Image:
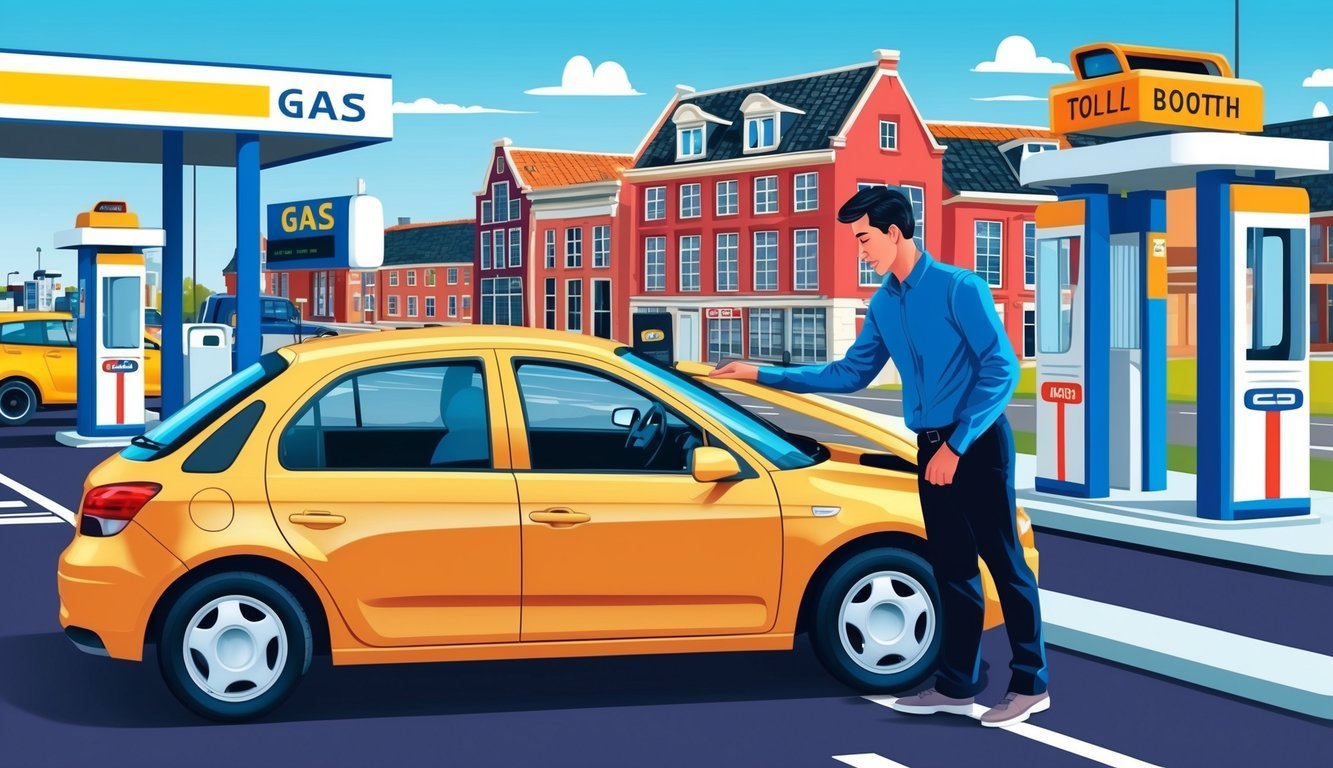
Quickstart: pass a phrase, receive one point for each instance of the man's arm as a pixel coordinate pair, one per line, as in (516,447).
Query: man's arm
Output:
(997,378)
(852,373)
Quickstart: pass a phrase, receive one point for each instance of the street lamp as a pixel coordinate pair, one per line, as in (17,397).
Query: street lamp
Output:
(39,258)
(15,272)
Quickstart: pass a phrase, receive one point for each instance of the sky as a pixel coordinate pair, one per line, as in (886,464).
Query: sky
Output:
(490,55)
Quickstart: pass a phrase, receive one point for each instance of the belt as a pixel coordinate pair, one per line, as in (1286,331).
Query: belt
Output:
(937,435)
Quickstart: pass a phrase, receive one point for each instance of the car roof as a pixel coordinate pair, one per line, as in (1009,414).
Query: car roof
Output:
(410,340)
(9,317)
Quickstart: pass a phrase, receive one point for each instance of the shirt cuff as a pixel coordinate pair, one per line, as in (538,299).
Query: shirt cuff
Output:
(770,376)
(960,441)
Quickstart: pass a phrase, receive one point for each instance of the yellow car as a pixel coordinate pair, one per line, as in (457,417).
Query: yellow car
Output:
(490,492)
(38,364)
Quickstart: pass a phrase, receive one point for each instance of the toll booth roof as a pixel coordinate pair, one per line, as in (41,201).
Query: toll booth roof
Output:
(78,107)
(1172,161)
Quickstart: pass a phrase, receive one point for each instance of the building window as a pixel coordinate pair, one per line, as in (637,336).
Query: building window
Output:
(499,164)
(866,276)
(550,249)
(430,278)
(393,306)
(368,279)
(467,306)
(724,339)
(1030,254)
(322,294)
(760,133)
(888,135)
(411,306)
(690,195)
(499,236)
(574,305)
(501,301)
(689,263)
(368,303)
(654,263)
(451,305)
(728,199)
(917,197)
(986,238)
(766,194)
(765,261)
(393,279)
(450,275)
(654,206)
(809,336)
(430,306)
(1029,331)
(515,248)
(601,246)
(806,260)
(500,196)
(768,335)
(485,250)
(515,208)
(574,247)
(807,191)
(549,303)
(690,142)
(728,261)
(411,277)
(601,308)
(487,216)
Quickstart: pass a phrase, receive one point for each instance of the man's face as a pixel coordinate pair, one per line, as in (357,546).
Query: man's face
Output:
(876,248)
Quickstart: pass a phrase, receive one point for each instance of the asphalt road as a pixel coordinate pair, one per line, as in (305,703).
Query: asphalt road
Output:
(60,707)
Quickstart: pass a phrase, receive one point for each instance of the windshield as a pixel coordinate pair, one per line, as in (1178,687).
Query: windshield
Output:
(786,451)
(152,317)
(204,409)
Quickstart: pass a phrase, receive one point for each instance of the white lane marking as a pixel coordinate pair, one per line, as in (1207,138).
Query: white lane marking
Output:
(1021,405)
(1187,413)
(12,515)
(868,760)
(56,509)
(30,520)
(1049,738)
(863,397)
(13,504)
(1321,449)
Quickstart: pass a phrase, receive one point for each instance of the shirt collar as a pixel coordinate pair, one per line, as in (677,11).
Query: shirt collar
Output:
(924,263)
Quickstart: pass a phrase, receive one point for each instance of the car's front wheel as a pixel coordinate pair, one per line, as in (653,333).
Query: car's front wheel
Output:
(877,620)
(18,402)
(234,646)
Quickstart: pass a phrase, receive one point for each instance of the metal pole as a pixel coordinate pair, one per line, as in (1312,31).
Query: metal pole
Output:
(39,258)
(248,267)
(1236,27)
(173,267)
(194,241)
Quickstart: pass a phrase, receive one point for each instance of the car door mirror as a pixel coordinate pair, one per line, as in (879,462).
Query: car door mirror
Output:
(709,465)
(624,417)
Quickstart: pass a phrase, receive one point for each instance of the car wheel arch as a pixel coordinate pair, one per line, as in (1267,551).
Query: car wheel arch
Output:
(284,574)
(25,380)
(878,540)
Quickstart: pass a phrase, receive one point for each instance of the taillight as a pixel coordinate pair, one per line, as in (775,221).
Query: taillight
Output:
(107,509)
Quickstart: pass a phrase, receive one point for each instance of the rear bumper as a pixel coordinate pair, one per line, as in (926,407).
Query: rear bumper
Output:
(86,640)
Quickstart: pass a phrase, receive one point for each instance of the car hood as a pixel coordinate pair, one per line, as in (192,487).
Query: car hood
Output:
(888,432)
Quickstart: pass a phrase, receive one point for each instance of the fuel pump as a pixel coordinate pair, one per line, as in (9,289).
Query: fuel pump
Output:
(109,323)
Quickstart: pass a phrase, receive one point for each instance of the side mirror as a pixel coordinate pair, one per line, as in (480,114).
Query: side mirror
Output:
(625,417)
(709,465)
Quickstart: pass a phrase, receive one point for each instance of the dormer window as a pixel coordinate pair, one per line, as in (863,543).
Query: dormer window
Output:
(765,120)
(1019,150)
(694,127)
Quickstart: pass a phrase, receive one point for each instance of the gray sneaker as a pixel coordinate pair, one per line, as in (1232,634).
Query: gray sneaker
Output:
(1014,708)
(931,701)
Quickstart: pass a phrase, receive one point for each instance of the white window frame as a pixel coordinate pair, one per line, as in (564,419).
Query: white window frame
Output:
(1029,308)
(601,246)
(487,212)
(891,145)
(467,306)
(697,197)
(393,279)
(550,249)
(498,256)
(648,266)
(793,320)
(496,209)
(413,304)
(550,304)
(1030,258)
(759,146)
(411,278)
(797,256)
(486,250)
(499,164)
(430,306)
(573,255)
(734,259)
(810,189)
(515,247)
(773,191)
(609,311)
(998,240)
(694,243)
(696,146)
(654,197)
(920,234)
(393,306)
(767,260)
(451,275)
(728,191)
(569,299)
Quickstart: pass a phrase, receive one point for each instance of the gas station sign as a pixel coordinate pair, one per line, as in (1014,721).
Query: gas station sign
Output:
(326,233)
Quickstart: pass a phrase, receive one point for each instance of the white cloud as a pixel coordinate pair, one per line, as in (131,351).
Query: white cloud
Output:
(1015,97)
(425,106)
(1320,78)
(579,79)
(1016,53)
(1320,109)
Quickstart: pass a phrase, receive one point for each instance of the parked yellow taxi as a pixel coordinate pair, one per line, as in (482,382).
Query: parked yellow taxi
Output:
(38,364)
(495,493)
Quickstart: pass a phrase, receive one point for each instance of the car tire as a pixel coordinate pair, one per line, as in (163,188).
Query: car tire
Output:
(18,402)
(877,621)
(234,646)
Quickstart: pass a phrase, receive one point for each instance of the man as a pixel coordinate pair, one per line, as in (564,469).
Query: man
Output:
(938,323)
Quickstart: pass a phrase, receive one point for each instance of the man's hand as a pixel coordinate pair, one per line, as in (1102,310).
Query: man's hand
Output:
(736,370)
(942,466)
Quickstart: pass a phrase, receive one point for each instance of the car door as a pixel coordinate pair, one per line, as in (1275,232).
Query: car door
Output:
(392,482)
(152,367)
(61,358)
(24,346)
(617,544)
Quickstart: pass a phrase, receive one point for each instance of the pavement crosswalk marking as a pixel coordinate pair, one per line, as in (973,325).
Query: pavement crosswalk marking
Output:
(40,519)
(13,504)
(868,760)
(51,506)
(1049,738)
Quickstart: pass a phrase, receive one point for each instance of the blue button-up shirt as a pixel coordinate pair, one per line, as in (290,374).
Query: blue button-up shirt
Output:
(956,369)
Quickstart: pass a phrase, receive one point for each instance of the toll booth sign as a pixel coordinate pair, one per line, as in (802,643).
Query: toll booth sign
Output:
(1145,101)
(653,337)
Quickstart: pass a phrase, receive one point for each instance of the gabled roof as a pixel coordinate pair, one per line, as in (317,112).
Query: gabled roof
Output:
(1319,187)
(436,242)
(974,162)
(827,98)
(546,168)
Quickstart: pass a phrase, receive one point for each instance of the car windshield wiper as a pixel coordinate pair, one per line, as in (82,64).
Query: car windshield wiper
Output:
(142,441)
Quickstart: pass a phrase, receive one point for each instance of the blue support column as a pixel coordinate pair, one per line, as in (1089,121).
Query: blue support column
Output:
(1097,340)
(85,321)
(1216,345)
(248,341)
(173,269)
(1148,211)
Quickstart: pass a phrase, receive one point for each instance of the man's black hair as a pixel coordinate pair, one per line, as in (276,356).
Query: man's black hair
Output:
(884,205)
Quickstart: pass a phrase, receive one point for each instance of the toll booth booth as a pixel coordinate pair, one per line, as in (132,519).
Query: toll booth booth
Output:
(1102,284)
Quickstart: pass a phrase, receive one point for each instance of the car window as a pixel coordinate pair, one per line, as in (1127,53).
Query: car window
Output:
(152,316)
(569,413)
(429,416)
(56,335)
(72,330)
(274,310)
(30,332)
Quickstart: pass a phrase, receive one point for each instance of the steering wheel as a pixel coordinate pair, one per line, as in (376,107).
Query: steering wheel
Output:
(648,434)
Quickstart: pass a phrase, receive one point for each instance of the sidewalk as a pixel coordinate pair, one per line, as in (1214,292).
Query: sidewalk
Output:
(1165,520)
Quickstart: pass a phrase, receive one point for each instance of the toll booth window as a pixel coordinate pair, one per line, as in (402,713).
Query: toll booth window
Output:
(123,313)
(1273,284)
(431,416)
(1098,64)
(1057,281)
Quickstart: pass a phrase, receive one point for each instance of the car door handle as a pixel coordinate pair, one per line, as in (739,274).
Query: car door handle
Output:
(317,519)
(54,354)
(559,517)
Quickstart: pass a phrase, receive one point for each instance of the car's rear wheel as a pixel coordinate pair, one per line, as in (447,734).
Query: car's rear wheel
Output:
(234,646)
(877,619)
(18,402)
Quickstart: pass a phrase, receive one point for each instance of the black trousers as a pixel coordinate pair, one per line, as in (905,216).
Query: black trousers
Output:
(975,516)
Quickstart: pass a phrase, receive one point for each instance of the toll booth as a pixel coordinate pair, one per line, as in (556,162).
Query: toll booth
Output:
(109,323)
(1176,119)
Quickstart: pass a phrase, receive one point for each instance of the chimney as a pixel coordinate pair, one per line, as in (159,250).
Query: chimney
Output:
(404,220)
(888,59)
(683,90)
